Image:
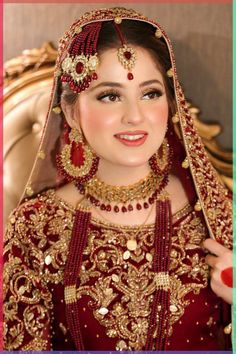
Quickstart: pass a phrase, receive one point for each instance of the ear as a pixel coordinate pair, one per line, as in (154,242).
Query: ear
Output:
(71,114)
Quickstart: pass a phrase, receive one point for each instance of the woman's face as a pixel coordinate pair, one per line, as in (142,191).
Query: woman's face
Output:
(124,121)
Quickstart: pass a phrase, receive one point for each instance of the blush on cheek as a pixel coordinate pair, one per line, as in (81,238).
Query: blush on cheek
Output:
(161,117)
(97,121)
(91,119)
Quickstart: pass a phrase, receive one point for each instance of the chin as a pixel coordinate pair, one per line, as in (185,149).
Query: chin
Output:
(126,160)
(134,162)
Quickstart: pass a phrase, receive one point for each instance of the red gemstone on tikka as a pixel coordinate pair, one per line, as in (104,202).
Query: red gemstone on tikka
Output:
(127,55)
(145,205)
(130,76)
(139,206)
(108,207)
(79,67)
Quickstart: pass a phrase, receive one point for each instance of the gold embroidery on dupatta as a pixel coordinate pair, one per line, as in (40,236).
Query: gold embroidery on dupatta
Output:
(213,196)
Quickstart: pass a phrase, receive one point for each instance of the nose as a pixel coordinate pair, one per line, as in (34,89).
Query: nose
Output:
(133,114)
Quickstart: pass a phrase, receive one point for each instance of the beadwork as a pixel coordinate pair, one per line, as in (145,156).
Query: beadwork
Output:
(79,65)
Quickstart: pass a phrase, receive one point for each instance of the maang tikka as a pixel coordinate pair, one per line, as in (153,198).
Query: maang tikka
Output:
(126,55)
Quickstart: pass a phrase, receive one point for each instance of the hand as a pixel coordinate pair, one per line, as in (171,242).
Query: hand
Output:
(219,259)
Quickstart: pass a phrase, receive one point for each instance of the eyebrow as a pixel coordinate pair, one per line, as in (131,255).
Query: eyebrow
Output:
(150,82)
(117,84)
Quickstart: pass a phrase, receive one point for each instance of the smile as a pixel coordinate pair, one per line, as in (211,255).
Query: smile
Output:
(132,139)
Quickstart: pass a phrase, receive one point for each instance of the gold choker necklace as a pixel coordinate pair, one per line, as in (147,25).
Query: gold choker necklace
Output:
(122,194)
(144,192)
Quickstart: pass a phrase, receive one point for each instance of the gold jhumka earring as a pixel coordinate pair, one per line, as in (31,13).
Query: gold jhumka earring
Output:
(77,162)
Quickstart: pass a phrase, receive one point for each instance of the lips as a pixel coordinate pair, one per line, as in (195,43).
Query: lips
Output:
(135,138)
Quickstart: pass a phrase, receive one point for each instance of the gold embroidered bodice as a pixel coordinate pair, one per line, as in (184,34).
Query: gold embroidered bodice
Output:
(118,285)
(121,283)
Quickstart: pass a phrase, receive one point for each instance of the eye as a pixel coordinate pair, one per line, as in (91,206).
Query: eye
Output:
(109,97)
(152,94)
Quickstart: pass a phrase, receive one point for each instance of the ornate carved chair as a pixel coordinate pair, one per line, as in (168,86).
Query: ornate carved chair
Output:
(27,82)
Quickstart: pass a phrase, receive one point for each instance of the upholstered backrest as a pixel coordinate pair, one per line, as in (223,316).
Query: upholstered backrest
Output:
(26,96)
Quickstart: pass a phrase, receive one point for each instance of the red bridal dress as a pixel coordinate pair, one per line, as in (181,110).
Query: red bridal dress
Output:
(115,287)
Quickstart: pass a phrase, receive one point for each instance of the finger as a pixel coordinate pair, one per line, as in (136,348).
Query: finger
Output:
(214,247)
(211,260)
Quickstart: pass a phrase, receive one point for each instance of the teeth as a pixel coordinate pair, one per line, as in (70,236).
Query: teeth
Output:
(131,137)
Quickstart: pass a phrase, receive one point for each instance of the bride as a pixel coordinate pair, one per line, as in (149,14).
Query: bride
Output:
(124,243)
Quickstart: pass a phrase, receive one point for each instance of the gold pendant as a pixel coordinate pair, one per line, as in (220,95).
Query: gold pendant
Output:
(131,245)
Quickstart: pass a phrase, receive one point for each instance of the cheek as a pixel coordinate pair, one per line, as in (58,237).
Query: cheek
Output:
(89,119)
(90,125)
(96,121)
(160,118)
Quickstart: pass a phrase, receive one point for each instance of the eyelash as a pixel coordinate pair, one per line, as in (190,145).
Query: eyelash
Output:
(107,94)
(158,93)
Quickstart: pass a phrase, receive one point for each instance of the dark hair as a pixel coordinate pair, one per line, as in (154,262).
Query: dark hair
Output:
(141,34)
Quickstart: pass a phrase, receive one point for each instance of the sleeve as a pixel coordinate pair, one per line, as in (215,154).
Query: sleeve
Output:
(27,300)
